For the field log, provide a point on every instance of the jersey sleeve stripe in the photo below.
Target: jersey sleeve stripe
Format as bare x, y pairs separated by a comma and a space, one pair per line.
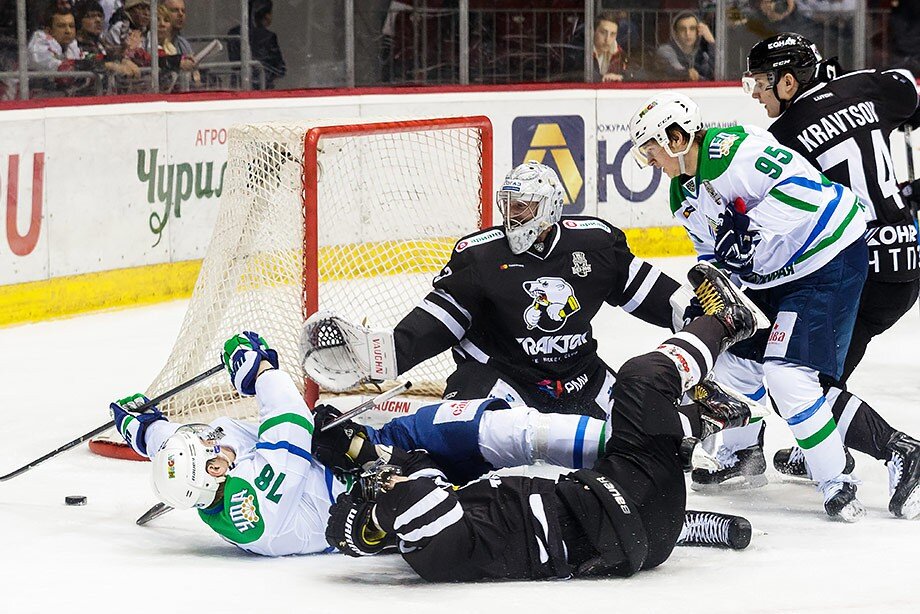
643, 291
433, 528
792, 201
474, 351
297, 419
635, 265
285, 445
802, 182
439, 314
447, 297
826, 216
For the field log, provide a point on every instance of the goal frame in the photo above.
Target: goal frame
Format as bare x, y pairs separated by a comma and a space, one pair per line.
311, 179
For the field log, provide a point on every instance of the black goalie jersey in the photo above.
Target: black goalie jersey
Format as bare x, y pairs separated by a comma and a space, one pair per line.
843, 128
529, 315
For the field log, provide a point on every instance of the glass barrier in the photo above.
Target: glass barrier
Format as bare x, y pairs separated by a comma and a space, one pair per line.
292, 44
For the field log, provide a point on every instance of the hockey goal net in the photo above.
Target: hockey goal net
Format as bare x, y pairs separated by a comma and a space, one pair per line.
353, 217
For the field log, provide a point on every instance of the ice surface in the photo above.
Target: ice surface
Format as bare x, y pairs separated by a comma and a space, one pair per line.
57, 380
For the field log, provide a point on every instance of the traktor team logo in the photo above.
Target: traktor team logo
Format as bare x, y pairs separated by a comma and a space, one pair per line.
553, 302
559, 142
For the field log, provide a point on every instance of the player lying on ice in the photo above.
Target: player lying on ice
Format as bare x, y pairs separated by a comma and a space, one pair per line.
515, 302
796, 240
623, 515
260, 486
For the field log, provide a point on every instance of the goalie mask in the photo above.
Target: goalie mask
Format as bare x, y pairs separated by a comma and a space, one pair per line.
180, 468
535, 187
651, 122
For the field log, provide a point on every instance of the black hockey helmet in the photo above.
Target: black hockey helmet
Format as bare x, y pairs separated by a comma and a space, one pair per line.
786, 52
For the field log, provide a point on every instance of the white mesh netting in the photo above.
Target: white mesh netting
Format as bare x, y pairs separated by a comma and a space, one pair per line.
390, 205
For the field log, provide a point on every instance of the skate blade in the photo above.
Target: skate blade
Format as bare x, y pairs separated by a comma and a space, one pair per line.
911, 508
854, 511
748, 482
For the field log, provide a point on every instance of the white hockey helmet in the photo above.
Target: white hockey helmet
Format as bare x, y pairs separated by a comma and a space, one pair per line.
533, 183
651, 121
180, 468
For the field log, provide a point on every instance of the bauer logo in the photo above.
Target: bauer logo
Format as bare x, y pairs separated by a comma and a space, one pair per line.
559, 142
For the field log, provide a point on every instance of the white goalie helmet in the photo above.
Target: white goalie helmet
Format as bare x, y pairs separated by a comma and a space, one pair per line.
538, 185
180, 468
651, 121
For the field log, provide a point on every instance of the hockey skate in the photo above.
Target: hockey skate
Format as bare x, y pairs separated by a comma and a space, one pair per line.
714, 529
791, 461
840, 500
718, 408
741, 469
904, 476
723, 300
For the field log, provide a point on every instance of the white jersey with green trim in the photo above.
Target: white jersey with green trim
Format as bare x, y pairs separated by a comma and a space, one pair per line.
801, 219
277, 496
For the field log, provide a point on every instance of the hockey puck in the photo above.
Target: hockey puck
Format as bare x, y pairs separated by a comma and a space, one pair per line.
75, 500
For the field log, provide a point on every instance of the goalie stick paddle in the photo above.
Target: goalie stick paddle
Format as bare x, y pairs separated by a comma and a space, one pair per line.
75, 442
161, 508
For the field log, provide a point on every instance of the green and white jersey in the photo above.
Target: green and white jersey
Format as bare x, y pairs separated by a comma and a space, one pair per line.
802, 219
277, 496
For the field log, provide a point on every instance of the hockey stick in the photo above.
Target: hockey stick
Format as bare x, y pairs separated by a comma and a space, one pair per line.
75, 442
161, 508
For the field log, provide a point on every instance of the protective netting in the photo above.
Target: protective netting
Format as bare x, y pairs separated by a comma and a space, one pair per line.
390, 205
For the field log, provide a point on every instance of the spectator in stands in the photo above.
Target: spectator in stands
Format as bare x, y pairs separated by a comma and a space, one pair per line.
55, 47
90, 17
690, 54
905, 34
135, 16
177, 19
262, 41
770, 17
609, 57
109, 9
172, 60
9, 54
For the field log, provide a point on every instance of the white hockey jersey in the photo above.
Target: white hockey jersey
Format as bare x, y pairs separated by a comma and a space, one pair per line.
802, 219
277, 496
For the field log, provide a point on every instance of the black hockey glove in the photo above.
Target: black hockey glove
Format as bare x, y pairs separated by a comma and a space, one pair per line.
735, 242
331, 447
351, 528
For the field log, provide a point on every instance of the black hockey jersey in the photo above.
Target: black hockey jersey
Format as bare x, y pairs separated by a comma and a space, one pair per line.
843, 128
529, 315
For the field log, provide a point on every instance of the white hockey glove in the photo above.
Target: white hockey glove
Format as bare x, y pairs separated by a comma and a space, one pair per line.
339, 355
685, 308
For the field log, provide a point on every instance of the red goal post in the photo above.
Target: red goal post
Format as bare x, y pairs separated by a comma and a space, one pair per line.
353, 216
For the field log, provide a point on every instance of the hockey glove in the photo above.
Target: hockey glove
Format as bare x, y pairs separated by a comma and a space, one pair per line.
334, 449
132, 426
735, 242
242, 356
351, 527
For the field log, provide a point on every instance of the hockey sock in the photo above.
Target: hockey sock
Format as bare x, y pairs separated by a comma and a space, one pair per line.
804, 408
860, 426
694, 349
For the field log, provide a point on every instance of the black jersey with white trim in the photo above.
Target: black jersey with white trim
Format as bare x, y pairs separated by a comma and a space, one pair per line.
529, 315
843, 128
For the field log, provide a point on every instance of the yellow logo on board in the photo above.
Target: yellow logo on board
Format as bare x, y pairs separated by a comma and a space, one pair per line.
548, 139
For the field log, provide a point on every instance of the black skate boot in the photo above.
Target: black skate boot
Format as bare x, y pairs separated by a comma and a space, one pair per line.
713, 529
904, 476
718, 409
742, 469
840, 500
722, 299
791, 461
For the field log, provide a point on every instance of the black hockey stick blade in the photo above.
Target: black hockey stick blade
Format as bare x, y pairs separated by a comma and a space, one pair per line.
366, 405
154, 512
85, 437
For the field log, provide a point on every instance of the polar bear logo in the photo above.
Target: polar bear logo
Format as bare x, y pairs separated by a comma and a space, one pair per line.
553, 302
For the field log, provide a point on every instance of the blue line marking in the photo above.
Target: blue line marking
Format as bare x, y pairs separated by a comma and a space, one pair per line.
805, 414
579, 442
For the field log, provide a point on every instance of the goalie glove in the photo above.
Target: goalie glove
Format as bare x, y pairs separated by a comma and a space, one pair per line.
339, 355
133, 426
